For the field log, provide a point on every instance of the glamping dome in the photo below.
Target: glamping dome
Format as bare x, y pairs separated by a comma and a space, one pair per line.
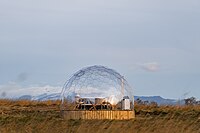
97, 88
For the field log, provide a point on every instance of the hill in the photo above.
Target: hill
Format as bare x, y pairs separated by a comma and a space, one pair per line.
56, 96
159, 100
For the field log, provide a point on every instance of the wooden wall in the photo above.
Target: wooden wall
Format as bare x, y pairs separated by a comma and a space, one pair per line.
102, 114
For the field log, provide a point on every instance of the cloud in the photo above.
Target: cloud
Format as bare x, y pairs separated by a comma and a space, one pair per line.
151, 66
3, 94
22, 77
13, 90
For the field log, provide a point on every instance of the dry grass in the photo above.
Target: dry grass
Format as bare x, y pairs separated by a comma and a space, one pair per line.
41, 117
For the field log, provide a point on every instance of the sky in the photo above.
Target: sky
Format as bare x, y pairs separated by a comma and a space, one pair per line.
154, 44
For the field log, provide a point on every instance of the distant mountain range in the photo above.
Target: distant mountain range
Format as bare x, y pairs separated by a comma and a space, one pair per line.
158, 99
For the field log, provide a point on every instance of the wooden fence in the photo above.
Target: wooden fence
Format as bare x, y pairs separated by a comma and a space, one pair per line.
102, 114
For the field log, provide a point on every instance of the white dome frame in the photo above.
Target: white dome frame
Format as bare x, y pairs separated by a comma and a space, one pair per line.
91, 80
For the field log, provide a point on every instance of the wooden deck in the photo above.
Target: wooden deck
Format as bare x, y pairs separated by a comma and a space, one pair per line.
100, 114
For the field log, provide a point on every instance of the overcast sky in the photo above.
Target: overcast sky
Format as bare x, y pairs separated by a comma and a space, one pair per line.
155, 44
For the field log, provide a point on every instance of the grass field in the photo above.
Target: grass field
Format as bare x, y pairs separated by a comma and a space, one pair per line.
44, 117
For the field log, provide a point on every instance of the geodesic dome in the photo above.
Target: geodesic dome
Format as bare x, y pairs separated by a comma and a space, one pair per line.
96, 82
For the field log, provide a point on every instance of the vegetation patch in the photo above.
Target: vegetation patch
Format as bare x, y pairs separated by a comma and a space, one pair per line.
34, 116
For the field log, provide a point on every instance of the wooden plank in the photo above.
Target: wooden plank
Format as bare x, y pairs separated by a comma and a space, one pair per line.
102, 114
